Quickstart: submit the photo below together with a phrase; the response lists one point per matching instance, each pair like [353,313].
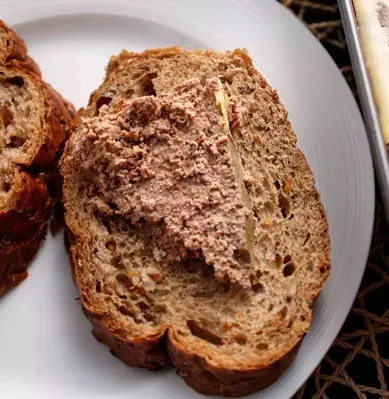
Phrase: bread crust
[16,256]
[197,369]
[208,379]
[15,51]
[164,348]
[31,208]
[147,352]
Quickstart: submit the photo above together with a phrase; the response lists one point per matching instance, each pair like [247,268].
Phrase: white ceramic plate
[47,350]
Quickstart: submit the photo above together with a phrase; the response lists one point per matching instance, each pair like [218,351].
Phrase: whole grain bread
[34,123]
[223,339]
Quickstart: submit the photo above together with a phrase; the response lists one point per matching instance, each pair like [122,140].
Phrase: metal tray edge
[377,145]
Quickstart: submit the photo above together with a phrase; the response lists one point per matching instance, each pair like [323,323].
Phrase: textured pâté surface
[357,365]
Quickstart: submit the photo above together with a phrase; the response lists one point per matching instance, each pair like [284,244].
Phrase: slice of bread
[222,338]
[34,122]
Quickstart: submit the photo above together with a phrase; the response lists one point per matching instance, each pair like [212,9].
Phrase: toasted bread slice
[34,122]
[222,338]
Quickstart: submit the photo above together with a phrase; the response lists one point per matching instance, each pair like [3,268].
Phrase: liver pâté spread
[169,165]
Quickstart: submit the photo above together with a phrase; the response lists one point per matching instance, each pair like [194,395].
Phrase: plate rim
[16,19]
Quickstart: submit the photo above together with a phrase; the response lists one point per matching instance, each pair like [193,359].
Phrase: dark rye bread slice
[222,339]
[34,122]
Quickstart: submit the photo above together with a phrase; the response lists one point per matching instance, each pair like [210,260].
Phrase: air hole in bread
[277,184]
[284,204]
[270,308]
[240,339]
[111,245]
[308,236]
[16,142]
[98,286]
[258,288]
[116,262]
[160,308]
[147,85]
[256,213]
[113,206]
[128,312]
[289,269]
[5,187]
[143,306]
[287,259]
[107,225]
[102,101]
[125,280]
[227,78]
[6,116]
[148,317]
[16,81]
[261,346]
[241,256]
[203,333]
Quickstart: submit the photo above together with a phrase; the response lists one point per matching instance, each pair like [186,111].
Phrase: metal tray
[377,145]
